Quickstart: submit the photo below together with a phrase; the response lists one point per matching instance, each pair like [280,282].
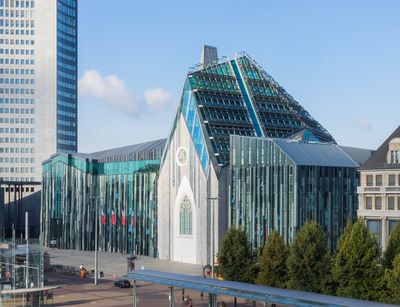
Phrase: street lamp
[212,199]
[96,249]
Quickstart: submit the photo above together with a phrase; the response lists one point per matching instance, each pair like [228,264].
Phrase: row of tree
[356,269]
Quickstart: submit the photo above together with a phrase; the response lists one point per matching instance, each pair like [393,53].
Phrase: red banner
[113,218]
[123,218]
[103,218]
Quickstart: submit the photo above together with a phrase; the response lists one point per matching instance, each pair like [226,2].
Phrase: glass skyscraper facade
[67,72]
[281,183]
[120,184]
[38,84]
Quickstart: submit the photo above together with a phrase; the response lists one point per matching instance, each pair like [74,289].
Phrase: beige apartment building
[379,190]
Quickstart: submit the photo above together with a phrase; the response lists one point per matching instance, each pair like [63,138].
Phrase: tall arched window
[185,217]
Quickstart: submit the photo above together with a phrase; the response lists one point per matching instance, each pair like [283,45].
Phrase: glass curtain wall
[269,191]
[67,75]
[123,193]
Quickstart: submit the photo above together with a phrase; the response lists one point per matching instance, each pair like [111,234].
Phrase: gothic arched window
[185,217]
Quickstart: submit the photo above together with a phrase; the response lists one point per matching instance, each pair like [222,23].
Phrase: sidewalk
[116,264]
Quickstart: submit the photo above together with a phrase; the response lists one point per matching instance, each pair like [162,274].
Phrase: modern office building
[119,185]
[282,183]
[220,98]
[379,190]
[38,90]
[38,78]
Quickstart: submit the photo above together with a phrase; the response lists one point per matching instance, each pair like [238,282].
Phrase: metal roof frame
[245,291]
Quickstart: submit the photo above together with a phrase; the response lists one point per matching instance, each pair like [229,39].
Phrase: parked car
[122,283]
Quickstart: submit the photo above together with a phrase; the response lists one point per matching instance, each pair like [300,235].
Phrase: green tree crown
[393,281]
[273,269]
[236,261]
[355,269]
[309,261]
[393,247]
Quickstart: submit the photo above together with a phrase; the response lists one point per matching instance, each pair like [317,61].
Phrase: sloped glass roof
[315,154]
[237,97]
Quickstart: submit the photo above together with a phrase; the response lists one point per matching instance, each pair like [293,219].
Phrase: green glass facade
[237,97]
[120,187]
[270,188]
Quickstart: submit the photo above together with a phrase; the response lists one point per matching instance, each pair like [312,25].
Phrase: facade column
[384,233]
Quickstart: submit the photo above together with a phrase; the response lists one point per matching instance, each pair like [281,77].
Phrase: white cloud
[362,123]
[158,98]
[110,89]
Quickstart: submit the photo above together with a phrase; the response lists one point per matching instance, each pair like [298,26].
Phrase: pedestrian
[190,302]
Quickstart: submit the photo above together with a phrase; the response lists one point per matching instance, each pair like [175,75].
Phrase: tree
[393,247]
[273,269]
[393,281]
[236,261]
[309,261]
[355,268]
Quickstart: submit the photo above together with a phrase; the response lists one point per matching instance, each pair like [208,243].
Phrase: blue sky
[339,59]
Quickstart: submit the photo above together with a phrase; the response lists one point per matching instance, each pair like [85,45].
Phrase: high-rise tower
[38,84]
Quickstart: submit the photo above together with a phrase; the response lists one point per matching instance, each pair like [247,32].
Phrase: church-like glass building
[221,98]
[231,110]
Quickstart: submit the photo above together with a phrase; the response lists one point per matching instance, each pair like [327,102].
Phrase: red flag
[113,219]
[123,218]
[103,218]
[133,220]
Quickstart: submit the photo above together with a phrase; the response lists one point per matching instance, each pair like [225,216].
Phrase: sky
[339,59]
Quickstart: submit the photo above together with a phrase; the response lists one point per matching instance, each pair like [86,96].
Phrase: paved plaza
[116,264]
[82,292]
[77,292]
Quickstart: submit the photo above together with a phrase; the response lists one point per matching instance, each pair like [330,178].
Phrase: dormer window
[393,156]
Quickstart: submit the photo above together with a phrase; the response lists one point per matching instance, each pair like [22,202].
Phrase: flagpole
[96,254]
[134,234]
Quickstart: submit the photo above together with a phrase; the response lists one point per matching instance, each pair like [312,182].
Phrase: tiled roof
[378,159]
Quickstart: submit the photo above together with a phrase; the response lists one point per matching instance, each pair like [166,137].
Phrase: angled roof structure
[135,151]
[359,155]
[151,150]
[236,96]
[379,159]
[315,154]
